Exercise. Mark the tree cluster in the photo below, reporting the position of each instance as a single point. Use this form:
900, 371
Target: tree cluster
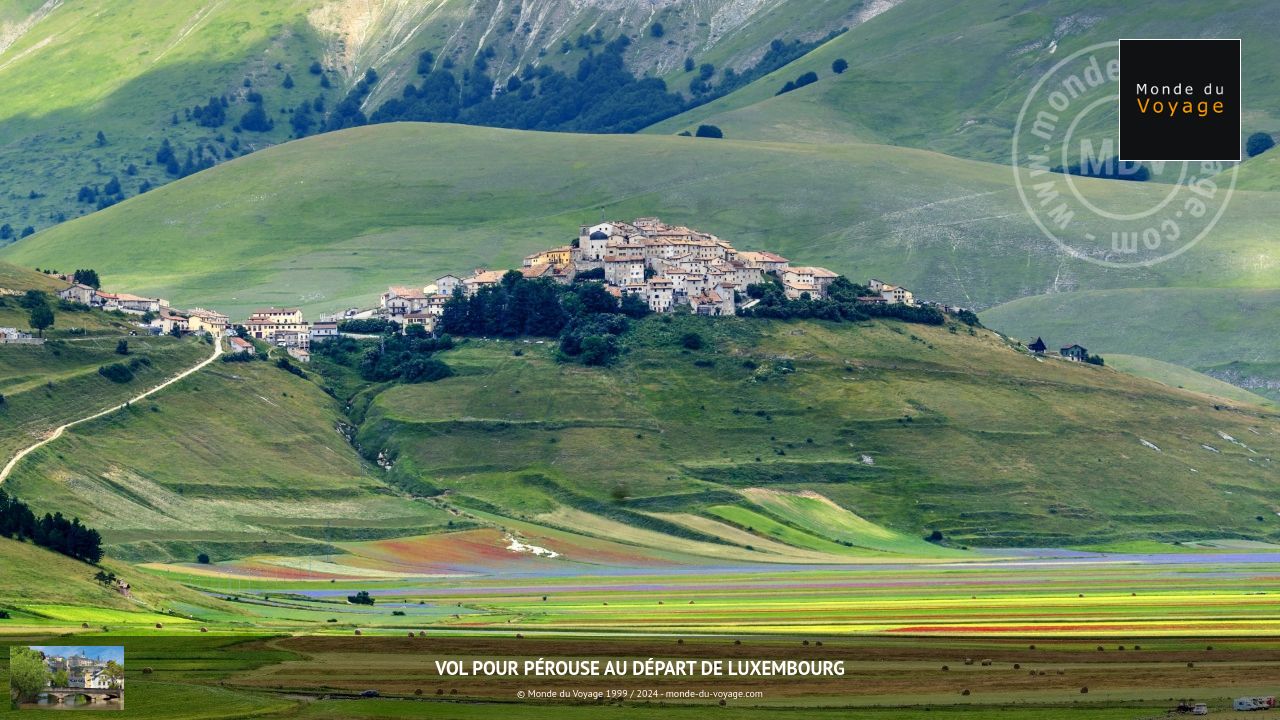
1259, 143
602, 96
40, 316
87, 277
808, 78
406, 358
840, 305
586, 318
1109, 169
54, 532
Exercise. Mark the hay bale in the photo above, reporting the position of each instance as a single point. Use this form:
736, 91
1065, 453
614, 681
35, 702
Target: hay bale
1017, 666
965, 691
1101, 649
968, 661
418, 691
805, 643
1084, 690
1137, 647
1031, 647
986, 663
680, 641
84, 625
439, 691
1191, 664
357, 632
519, 636
1120, 647
422, 633
159, 626
818, 643
147, 670
737, 642
204, 629
1209, 647
411, 633
945, 668
1031, 672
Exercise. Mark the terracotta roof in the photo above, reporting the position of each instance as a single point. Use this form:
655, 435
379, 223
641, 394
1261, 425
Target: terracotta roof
407, 293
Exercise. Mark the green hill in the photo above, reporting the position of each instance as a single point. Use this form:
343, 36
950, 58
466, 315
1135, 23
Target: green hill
238, 458
798, 441
135, 71
910, 427
1178, 376
1197, 328
329, 221
952, 77
40, 588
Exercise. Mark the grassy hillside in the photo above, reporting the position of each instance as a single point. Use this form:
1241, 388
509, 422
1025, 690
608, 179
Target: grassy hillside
133, 71
1180, 377
1195, 328
951, 77
44, 386
910, 427
239, 457
329, 221
40, 588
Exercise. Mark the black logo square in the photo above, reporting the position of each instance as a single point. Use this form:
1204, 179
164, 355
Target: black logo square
1180, 100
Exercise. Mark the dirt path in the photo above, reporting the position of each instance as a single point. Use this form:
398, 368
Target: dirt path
57, 432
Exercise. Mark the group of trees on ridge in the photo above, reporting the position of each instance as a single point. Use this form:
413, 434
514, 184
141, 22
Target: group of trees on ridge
54, 532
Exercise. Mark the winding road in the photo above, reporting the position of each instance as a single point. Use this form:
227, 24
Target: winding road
57, 432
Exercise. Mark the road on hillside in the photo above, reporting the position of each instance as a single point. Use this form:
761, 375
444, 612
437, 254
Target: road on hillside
57, 432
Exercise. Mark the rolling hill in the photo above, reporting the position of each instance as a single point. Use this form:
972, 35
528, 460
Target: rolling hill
238, 458
908, 426
329, 221
952, 77
71, 69
1221, 325
780, 441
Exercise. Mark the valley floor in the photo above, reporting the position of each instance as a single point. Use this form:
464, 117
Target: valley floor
1009, 633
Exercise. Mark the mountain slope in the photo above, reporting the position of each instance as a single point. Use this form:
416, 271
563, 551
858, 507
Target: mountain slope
952, 77
329, 221
134, 71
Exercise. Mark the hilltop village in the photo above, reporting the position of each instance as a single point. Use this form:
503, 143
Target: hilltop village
670, 268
